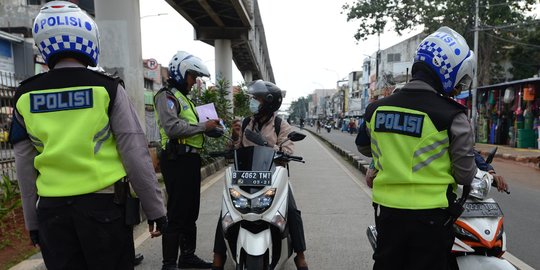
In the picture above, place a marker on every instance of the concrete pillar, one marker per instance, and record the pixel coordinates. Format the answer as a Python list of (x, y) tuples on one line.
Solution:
[(248, 76), (224, 60), (120, 43)]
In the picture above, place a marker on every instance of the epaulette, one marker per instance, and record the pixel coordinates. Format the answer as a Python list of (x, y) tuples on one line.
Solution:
[(32, 78)]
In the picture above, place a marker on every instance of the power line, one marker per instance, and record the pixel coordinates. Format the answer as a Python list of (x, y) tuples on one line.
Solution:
[(513, 41)]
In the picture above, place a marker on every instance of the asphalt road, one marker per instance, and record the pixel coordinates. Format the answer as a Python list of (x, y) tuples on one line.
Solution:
[(520, 207)]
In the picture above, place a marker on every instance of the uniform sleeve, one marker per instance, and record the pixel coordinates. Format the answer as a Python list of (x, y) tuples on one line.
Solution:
[(461, 150), (288, 146), (363, 141), (174, 127), (133, 149), (25, 153)]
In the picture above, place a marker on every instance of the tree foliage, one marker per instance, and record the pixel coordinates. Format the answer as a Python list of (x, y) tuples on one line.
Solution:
[(241, 103), (499, 19), (299, 108)]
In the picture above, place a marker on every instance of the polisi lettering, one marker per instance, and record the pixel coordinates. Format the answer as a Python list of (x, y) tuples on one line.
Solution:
[(60, 20), (399, 122), (446, 38), (59, 101)]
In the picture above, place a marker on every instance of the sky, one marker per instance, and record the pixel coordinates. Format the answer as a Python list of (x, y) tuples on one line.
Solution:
[(310, 43)]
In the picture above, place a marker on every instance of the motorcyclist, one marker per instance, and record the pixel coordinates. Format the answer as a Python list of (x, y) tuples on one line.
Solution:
[(266, 100)]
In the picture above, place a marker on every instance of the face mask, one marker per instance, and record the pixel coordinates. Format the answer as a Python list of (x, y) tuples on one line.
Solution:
[(254, 105)]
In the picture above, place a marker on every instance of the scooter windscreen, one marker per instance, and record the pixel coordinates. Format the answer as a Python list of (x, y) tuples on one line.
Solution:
[(254, 158)]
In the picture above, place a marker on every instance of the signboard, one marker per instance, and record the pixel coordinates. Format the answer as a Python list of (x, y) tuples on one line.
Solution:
[(151, 70)]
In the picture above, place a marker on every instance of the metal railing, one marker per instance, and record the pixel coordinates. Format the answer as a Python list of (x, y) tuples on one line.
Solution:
[(8, 85)]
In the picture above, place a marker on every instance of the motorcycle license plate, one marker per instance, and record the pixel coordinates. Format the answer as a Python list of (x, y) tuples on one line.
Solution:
[(252, 178), (481, 209)]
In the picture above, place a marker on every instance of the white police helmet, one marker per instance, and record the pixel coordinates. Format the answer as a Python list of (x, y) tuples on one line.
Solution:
[(447, 53), (183, 63), (62, 28)]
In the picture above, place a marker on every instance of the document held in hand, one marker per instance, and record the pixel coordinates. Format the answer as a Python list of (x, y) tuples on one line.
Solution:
[(206, 111)]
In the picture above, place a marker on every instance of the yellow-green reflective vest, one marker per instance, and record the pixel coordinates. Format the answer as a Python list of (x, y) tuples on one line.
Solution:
[(69, 127), (412, 158), (188, 113)]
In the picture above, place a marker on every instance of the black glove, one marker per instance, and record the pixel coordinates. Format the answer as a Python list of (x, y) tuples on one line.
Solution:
[(34, 237), (215, 133), (161, 223)]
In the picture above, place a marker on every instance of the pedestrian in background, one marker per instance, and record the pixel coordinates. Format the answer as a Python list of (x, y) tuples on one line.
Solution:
[(75, 138), (182, 138), (422, 146)]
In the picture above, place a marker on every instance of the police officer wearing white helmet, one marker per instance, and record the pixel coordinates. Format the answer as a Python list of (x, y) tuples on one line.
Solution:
[(182, 137), (422, 146), (76, 138)]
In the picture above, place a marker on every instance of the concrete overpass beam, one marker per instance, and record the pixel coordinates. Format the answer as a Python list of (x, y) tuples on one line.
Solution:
[(224, 60), (248, 76), (121, 50)]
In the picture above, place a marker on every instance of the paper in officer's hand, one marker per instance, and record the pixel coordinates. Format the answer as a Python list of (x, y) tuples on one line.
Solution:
[(206, 111)]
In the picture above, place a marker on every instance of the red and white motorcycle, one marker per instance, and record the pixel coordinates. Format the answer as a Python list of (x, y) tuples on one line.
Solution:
[(480, 238)]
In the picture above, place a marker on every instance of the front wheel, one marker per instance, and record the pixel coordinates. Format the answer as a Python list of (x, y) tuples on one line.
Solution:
[(254, 262)]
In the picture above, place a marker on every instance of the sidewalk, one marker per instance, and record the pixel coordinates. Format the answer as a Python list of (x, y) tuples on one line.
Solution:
[(527, 156), (344, 144)]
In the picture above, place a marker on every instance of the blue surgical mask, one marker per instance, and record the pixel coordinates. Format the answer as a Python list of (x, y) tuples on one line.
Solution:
[(254, 105)]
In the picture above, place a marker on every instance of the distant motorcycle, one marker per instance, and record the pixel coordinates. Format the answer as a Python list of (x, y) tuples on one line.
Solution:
[(328, 127), (480, 238)]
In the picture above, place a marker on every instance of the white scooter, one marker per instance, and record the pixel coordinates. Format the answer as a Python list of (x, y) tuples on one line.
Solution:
[(254, 210), (480, 238)]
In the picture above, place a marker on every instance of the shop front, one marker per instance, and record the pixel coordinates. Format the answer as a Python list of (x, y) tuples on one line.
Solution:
[(509, 113)]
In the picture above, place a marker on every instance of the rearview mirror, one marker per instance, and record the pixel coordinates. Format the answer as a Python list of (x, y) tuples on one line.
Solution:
[(296, 136), (491, 155)]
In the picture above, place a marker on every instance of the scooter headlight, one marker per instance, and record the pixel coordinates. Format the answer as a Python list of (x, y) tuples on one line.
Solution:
[(240, 202), (464, 233), (255, 205), (263, 202), (480, 187)]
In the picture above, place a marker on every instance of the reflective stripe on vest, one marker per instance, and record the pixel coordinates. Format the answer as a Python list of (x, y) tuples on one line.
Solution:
[(188, 114), (412, 158), (70, 129)]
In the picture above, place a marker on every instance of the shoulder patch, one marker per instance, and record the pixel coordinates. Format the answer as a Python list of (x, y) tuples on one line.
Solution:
[(170, 104), (399, 122)]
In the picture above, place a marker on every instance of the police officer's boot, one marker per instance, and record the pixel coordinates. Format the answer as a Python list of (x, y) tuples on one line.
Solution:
[(170, 243), (188, 259)]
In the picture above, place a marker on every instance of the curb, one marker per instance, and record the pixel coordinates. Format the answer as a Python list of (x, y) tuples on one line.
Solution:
[(359, 163), (529, 161), (35, 262)]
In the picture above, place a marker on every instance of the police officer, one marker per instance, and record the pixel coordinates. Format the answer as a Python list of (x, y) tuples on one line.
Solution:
[(422, 145), (181, 140), (75, 137)]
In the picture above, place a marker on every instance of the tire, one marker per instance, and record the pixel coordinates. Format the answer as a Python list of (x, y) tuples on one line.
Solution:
[(254, 262)]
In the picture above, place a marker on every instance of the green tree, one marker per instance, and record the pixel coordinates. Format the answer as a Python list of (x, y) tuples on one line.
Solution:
[(299, 108), (241, 102), (401, 15)]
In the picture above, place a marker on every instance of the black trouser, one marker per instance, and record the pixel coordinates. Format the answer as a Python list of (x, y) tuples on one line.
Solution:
[(294, 220), (412, 239), (182, 178), (84, 232)]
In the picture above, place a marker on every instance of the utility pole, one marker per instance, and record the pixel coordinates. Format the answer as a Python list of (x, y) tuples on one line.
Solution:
[(475, 78)]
